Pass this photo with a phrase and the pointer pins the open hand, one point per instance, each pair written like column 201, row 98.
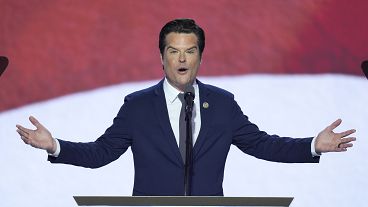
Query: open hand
column 329, row 141
column 40, row 138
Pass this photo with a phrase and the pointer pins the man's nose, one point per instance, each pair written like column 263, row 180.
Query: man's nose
column 182, row 58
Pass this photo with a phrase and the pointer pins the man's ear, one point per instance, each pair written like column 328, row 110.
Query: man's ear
column 162, row 60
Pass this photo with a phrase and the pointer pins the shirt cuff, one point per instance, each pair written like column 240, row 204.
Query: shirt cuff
column 313, row 148
column 57, row 151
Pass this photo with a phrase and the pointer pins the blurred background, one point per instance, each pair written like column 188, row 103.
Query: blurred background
column 294, row 67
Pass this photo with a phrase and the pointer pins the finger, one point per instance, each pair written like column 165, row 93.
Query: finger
column 334, row 124
column 23, row 129
column 347, row 133
column 341, row 150
column 35, row 122
column 22, row 133
column 345, row 145
column 347, row 140
column 25, row 140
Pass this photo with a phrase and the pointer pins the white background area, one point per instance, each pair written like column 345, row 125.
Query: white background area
column 292, row 105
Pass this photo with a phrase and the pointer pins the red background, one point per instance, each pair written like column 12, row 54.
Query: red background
column 60, row 47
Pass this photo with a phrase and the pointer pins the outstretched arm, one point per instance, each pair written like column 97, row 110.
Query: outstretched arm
column 329, row 141
column 39, row 138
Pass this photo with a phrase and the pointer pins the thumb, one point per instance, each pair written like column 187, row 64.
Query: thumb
column 35, row 122
column 334, row 124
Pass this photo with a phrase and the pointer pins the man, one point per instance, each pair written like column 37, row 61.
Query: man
column 148, row 123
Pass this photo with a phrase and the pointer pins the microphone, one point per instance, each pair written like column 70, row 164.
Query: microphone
column 188, row 173
column 189, row 97
column 365, row 68
column 3, row 64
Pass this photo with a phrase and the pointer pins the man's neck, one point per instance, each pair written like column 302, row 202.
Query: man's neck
column 180, row 89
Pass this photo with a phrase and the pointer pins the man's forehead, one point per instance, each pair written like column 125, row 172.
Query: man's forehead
column 188, row 40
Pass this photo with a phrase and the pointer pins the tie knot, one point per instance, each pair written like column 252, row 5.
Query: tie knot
column 181, row 97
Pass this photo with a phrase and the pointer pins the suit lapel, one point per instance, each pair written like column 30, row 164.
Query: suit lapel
column 206, row 117
column 163, row 118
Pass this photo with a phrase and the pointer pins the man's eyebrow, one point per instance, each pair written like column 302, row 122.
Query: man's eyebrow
column 194, row 47
column 171, row 47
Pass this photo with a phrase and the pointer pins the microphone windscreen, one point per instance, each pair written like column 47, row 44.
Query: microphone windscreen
column 365, row 68
column 189, row 89
column 3, row 64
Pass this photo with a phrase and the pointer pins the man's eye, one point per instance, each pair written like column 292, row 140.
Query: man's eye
column 191, row 51
column 173, row 51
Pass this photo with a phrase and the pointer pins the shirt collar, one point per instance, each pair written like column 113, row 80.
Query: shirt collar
column 171, row 92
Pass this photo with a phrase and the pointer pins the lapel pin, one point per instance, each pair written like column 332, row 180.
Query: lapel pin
column 205, row 105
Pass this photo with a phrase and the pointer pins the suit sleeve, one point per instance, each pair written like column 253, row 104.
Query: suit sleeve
column 248, row 138
column 107, row 148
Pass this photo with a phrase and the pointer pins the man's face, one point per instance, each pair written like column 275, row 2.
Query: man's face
column 181, row 59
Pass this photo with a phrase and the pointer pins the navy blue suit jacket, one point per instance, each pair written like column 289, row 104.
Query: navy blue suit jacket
column 143, row 124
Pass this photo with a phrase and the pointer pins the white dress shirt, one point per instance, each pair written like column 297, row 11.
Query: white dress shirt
column 174, row 107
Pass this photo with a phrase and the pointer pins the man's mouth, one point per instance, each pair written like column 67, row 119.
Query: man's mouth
column 182, row 70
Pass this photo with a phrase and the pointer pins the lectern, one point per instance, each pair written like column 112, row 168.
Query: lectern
column 181, row 201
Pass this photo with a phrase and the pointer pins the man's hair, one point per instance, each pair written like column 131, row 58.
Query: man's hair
column 181, row 26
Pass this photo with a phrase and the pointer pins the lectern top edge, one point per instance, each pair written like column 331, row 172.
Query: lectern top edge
column 181, row 201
